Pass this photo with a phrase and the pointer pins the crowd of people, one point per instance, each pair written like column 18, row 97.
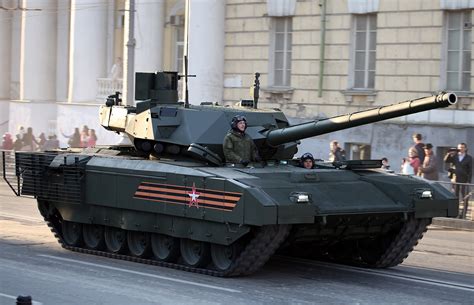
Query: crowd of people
column 27, row 141
column 81, row 139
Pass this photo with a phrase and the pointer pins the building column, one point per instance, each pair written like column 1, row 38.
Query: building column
column 38, row 51
column 5, row 76
column 205, row 35
column 5, row 51
column 149, row 31
column 62, row 51
column 35, row 67
column 87, row 49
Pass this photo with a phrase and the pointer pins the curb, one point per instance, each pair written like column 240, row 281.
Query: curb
column 454, row 223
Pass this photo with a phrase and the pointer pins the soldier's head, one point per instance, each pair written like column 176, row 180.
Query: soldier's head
column 239, row 123
column 307, row 160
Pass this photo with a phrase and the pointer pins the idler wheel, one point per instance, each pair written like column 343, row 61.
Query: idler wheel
column 72, row 233
column 224, row 256
column 115, row 240
column 195, row 253
column 165, row 248
column 139, row 243
column 93, row 236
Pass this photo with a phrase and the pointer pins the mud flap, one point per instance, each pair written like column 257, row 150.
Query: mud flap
column 436, row 208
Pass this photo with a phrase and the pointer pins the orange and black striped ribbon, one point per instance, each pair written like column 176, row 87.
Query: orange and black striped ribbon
column 175, row 194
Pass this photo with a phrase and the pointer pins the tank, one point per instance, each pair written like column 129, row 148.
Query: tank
column 171, row 200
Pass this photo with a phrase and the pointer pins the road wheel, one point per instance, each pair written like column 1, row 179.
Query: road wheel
column 115, row 240
column 93, row 236
column 139, row 243
column 195, row 253
column 224, row 256
column 72, row 233
column 165, row 248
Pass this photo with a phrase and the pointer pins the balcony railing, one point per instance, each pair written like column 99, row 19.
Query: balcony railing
column 108, row 86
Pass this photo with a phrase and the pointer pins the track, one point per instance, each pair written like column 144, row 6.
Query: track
column 255, row 254
column 403, row 243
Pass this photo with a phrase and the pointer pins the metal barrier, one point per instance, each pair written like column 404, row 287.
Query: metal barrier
column 39, row 174
column 9, row 173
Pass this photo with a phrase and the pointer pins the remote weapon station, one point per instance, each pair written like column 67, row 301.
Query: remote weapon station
column 171, row 200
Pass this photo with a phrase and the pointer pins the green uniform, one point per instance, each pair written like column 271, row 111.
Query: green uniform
column 238, row 147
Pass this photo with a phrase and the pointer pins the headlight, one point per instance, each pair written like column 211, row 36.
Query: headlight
column 299, row 197
column 424, row 193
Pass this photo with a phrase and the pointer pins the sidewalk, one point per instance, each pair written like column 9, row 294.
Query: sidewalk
column 454, row 223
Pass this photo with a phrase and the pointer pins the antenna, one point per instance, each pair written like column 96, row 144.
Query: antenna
column 186, row 92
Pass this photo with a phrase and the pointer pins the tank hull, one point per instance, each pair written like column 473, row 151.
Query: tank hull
column 225, row 206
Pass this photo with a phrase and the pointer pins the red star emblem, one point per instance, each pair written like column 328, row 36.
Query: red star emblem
column 193, row 200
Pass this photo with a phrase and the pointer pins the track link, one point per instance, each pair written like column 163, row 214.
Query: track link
column 411, row 232
column 255, row 254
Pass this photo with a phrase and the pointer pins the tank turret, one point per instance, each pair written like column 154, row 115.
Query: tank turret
column 161, row 125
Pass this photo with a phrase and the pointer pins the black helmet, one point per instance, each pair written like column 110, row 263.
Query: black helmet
column 305, row 157
column 236, row 119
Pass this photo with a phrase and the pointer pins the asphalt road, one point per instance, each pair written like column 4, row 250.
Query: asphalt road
column 439, row 271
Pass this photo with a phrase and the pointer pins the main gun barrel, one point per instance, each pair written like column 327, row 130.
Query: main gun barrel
column 315, row 128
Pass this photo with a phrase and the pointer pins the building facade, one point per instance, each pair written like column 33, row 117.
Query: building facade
column 317, row 59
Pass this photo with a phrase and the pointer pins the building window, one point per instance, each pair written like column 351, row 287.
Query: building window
column 282, row 37
column 357, row 151
column 458, row 50
column 363, row 66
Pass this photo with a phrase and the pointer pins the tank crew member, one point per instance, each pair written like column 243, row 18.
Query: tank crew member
column 238, row 146
column 307, row 161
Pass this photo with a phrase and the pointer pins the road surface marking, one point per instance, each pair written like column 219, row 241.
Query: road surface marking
column 139, row 273
column 14, row 298
column 411, row 278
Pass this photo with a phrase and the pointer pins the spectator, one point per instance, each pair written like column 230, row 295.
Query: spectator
column 51, row 144
column 21, row 131
column 42, row 140
column 385, row 164
column 7, row 142
column 18, row 144
column 461, row 169
column 84, row 136
column 336, row 154
column 307, row 161
column 411, row 164
column 417, row 138
column 429, row 168
column 74, row 139
column 29, row 140
column 117, row 69
column 92, row 138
